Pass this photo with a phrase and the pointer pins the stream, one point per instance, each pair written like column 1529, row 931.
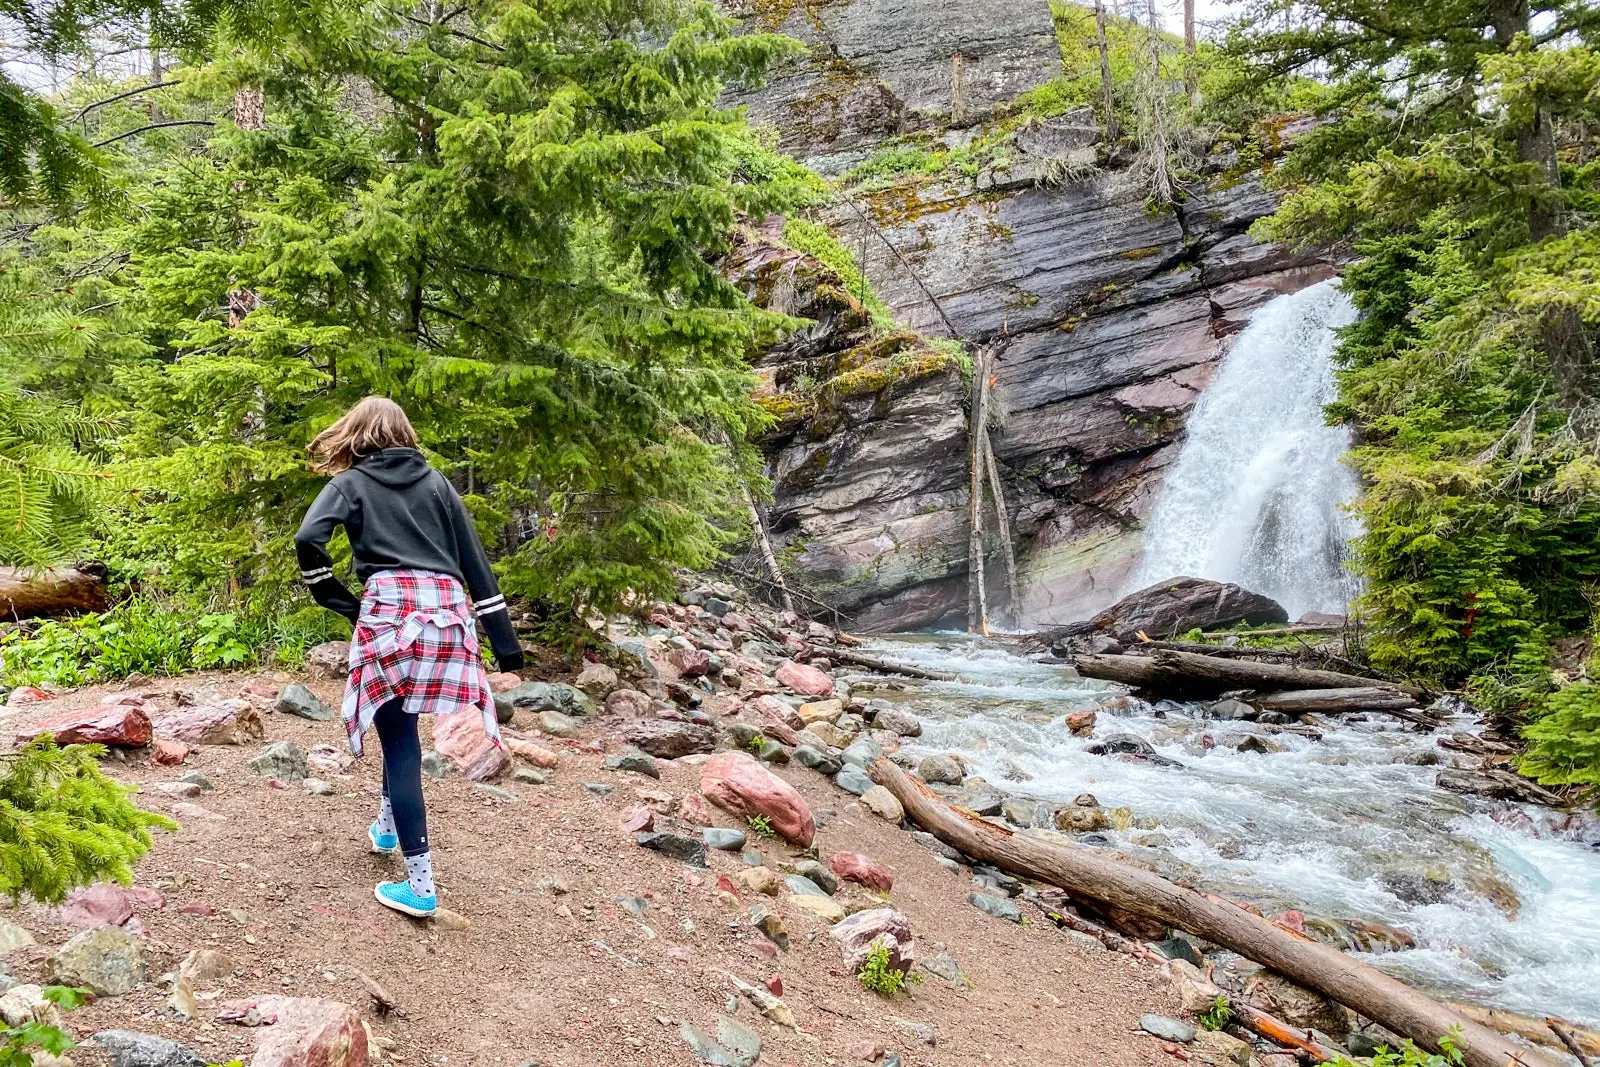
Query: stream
column 1499, row 903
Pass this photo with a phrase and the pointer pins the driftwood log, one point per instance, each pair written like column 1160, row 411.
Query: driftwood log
column 1334, row 701
column 857, row 659
column 1106, row 882
column 1542, row 1031
column 63, row 591
column 1189, row 674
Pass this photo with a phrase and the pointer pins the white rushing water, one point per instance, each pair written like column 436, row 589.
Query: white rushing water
column 1257, row 494
column 1503, row 900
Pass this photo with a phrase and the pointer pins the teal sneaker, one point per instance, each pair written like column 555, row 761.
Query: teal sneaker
column 398, row 895
column 382, row 843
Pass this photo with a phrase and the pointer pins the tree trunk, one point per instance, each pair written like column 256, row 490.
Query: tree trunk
column 1110, row 105
column 1191, row 674
column 1107, row 883
column 249, row 113
column 839, row 655
column 1191, row 67
column 977, row 595
column 1002, row 521
column 758, row 530
column 1334, row 701
column 1539, row 1031
column 64, row 591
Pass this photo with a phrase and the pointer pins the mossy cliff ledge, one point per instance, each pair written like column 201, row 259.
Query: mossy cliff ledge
column 1106, row 318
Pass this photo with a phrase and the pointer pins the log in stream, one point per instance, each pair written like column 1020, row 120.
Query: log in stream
column 1172, row 673
column 1106, row 882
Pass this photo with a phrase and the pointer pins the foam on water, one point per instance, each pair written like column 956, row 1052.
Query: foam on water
column 1336, row 827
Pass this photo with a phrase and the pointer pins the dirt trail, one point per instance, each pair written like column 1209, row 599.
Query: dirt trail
column 282, row 882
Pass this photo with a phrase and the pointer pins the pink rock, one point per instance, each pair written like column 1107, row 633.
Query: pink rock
column 807, row 681
column 131, row 699
column 780, row 732
column 262, row 690
column 23, row 695
column 794, row 644
column 724, row 704
column 774, row 984
column 776, row 710
column 504, row 681
column 866, row 1050
column 462, row 737
column 629, row 703
column 106, row 904
column 690, row 661
column 1294, row 920
column 331, row 659
column 304, row 1031
column 330, row 759
column 665, row 739
column 735, row 781
column 535, row 754
column 121, row 725
column 858, row 933
column 859, row 867
column 169, row 753
column 695, row 810
column 229, row 722
column 661, row 619
column 640, row 818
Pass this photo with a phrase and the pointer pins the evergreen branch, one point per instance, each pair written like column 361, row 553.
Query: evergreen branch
column 152, row 126
column 121, row 96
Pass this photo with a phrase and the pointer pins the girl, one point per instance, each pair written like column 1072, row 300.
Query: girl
column 415, row 649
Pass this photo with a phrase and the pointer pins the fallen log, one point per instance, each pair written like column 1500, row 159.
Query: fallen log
column 1334, row 701
column 1323, row 968
column 62, row 591
column 1277, row 631
column 1225, row 651
column 1273, row 1029
column 1539, row 1031
column 856, row 659
column 1246, row 674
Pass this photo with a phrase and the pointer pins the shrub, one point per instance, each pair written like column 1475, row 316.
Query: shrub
column 18, row 1043
column 1565, row 747
column 879, row 976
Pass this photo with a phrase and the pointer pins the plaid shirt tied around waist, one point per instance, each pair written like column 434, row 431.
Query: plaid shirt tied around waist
column 415, row 641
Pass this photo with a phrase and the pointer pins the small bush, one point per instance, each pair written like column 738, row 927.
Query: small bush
column 762, row 826
column 1565, row 748
column 19, row 1043
column 1409, row 1055
column 879, row 976
column 1216, row 1016
column 755, row 744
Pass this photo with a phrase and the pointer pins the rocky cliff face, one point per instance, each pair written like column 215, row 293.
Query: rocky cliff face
column 1106, row 319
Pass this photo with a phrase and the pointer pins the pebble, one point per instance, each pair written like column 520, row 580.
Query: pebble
column 883, row 804
column 316, row 787
column 770, row 923
column 752, row 857
column 853, row 779
column 1166, row 1029
column 196, row 778
column 723, row 840
column 635, row 906
column 494, row 791
column 599, row 789
column 446, row 919
column 531, row 775
column 632, row 759
column 999, row 907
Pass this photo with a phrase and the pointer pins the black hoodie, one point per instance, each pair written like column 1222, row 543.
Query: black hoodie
column 401, row 513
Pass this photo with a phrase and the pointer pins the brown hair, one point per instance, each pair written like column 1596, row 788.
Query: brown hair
column 372, row 425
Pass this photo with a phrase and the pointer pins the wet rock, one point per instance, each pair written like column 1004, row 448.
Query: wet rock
column 1295, row 1004
column 297, row 700
column 723, row 840
column 1129, row 746
column 820, row 876
column 946, row 769
column 1257, row 743
column 1021, row 812
column 1081, row 723
column 1080, row 820
column 120, row 725
column 816, row 759
column 999, row 907
column 1167, row 1029
column 227, row 722
column 883, row 804
column 631, row 759
column 281, row 759
column 305, row 1032
column 597, row 680
column 464, row 739
column 1229, row 708
column 1176, row 606
column 668, row 739
column 674, row 846
column 331, row 660
column 127, row 1048
column 738, row 783
column 898, row 721
column 862, row 869
column 105, row 960
column 807, row 681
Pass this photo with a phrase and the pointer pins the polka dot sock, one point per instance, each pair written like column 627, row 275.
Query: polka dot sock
column 386, row 818
column 419, row 870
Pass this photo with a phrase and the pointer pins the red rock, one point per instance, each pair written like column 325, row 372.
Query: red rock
column 858, row 933
column 766, row 948
column 1294, row 920
column 260, row 690
column 1081, row 723
column 640, row 818
column 859, row 867
column 774, row 984
column 776, row 710
column 196, row 908
column 628, row 703
column 535, row 754
column 690, row 661
column 781, row 732
column 665, row 739
column 229, row 722
column 694, row 810
column 504, row 681
column 867, row 1051
column 661, row 619
column 106, row 904
column 120, row 725
column 303, row 1032
column 169, row 753
column 807, row 681
column 735, row 781
column 463, row 737
column 23, row 695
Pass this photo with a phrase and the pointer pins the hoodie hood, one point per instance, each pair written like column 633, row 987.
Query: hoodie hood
column 395, row 468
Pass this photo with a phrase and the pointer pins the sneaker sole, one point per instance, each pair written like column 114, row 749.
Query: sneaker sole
column 404, row 909
column 372, row 847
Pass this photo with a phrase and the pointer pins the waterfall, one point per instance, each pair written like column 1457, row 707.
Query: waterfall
column 1256, row 495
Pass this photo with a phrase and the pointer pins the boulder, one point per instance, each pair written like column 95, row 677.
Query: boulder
column 596, row 679
column 770, row 707
column 857, row 934
column 738, row 783
column 883, row 804
column 852, row 779
column 668, row 739
column 690, row 662
column 820, row 711
column 106, row 904
column 304, row 1031
column 861, row 752
column 946, row 769
column 862, row 869
column 900, row 722
column 828, row 734
column 807, row 681
column 105, row 960
column 281, row 759
column 629, row 703
column 1296, row 1005
column 331, row 659
column 816, row 759
column 463, row 739
column 296, row 699
column 127, row 1048
column 121, row 725
column 227, row 722
column 1176, row 606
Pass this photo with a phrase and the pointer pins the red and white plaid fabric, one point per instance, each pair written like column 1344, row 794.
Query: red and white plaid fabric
column 415, row 640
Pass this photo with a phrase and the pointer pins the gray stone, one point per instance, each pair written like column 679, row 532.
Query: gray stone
column 1230, row 709
column 1129, row 746
column 942, row 966
column 531, row 775
column 999, row 907
column 982, row 803
column 933, row 844
column 773, row 752
column 883, row 804
column 752, row 857
column 436, row 765
column 803, row 886
column 817, row 760
column 707, row 1049
column 1178, row 947
column 494, row 791
column 723, row 840
column 638, row 655
column 599, row 789
column 127, row 1048
column 558, row 724
column 105, row 960
column 13, row 937
column 296, row 699
column 737, row 1037
column 1177, row 605
column 674, row 846
column 819, row 874
column 853, row 779
column 316, row 787
column 1166, row 1029
column 897, row 721
column 1021, row 812
column 862, row 752
column 196, row 778
column 631, row 759
column 541, row 697
column 281, row 759
column 947, row 769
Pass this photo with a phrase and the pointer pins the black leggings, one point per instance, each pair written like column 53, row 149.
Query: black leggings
column 402, row 775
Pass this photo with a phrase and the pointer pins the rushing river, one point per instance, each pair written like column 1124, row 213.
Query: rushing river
column 1503, row 909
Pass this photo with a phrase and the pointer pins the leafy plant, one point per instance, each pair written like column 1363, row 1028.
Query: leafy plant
column 1565, row 741
column 18, row 1043
column 880, row 976
column 755, row 744
column 762, row 825
column 1409, row 1055
column 1216, row 1016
